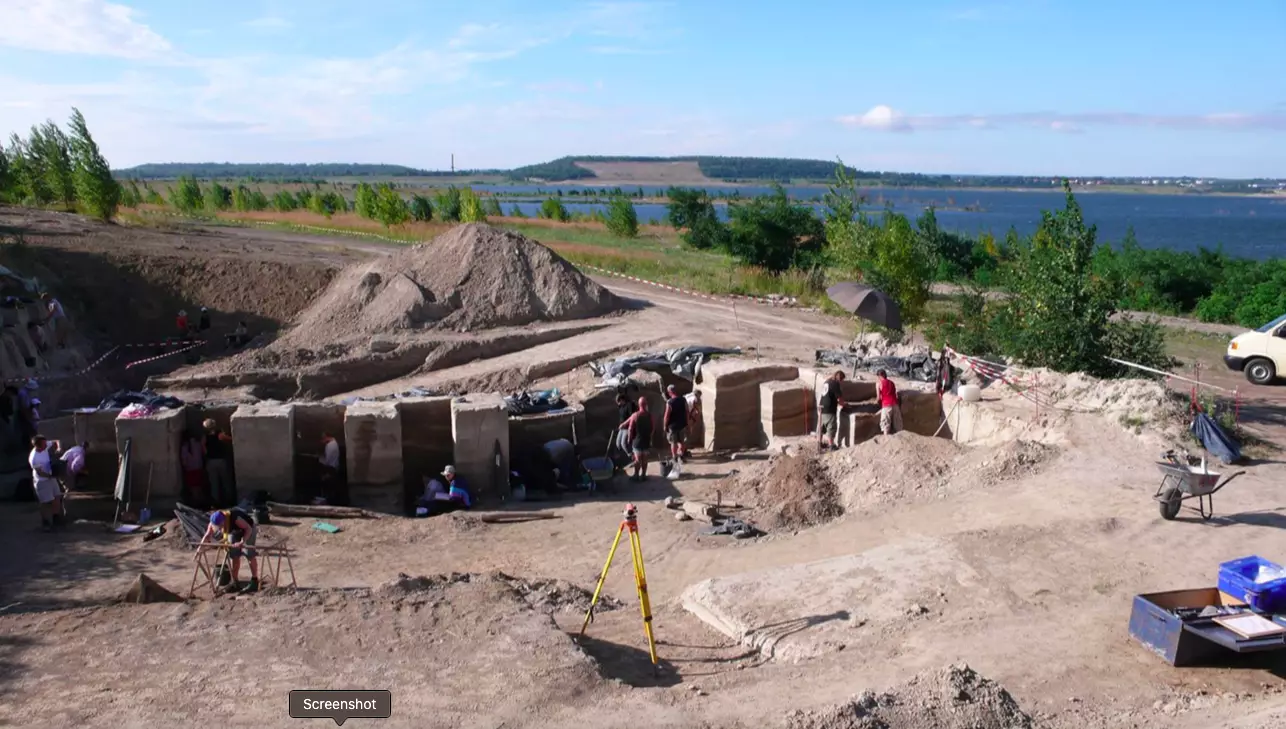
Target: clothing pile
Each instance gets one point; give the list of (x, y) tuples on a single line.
[(533, 403), (146, 398), (682, 362), (413, 392)]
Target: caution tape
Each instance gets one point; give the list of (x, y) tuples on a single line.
[(168, 343), (67, 375), (135, 363)]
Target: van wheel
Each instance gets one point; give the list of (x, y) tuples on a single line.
[(1261, 371)]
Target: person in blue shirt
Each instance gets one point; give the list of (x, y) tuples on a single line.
[(457, 490)]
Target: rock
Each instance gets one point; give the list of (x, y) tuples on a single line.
[(682, 516)]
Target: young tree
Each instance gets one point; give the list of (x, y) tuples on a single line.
[(217, 198), (471, 210), (152, 197), (774, 233), (30, 169), (241, 199), (7, 185), (692, 212), (448, 205), (491, 206), (54, 150), (421, 209), (516, 212), (365, 202), (553, 209), (132, 196), (327, 203), (97, 191), (622, 219), (391, 209), (284, 201), (186, 196)]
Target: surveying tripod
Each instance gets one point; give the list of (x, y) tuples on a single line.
[(629, 524)]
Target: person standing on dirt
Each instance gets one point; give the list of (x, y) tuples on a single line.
[(217, 455), (237, 529), (192, 458), (329, 462), (831, 405), (696, 428), (203, 321), (639, 427), (624, 409), (675, 421), (48, 493), (58, 318), (181, 322), (890, 404)]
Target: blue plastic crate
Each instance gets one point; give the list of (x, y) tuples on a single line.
[(1256, 581)]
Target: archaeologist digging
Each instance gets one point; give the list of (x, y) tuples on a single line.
[(217, 456), (675, 422), (831, 404), (237, 529), (48, 493), (639, 427), (890, 404), (329, 462), (74, 466)]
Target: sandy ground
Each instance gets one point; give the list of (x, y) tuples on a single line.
[(1027, 578)]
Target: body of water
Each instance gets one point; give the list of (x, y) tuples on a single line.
[(1248, 227)]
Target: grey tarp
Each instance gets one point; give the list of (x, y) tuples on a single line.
[(683, 362), (123, 475), (919, 367), (1215, 440)]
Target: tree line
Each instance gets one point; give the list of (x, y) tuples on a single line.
[(282, 172), (57, 168)]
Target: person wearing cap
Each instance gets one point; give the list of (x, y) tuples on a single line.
[(457, 490), (203, 320), (35, 413), (675, 421), (217, 453), (48, 492), (181, 322), (238, 530), (640, 429)]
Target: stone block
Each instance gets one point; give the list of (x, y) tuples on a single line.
[(787, 409), (156, 441), (921, 412), (480, 427), (730, 395), (263, 448), (862, 425), (373, 445)]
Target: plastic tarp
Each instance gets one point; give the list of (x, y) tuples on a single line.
[(533, 403), (918, 367), (1215, 440), (683, 362)]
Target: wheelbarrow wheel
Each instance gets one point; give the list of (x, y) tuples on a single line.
[(1169, 502)]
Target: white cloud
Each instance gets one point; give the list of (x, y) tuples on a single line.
[(90, 27), (885, 118)]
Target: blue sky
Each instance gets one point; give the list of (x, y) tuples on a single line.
[(1014, 86)]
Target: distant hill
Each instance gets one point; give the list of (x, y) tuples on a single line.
[(727, 169), (283, 171)]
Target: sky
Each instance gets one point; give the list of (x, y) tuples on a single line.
[(1037, 87)]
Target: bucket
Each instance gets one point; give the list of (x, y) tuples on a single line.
[(969, 393)]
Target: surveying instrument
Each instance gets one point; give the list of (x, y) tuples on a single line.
[(629, 524)]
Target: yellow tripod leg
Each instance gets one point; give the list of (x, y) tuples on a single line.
[(640, 581), (589, 614)]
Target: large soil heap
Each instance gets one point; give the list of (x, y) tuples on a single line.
[(471, 277)]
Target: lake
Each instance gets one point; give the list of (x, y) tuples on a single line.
[(1249, 227)]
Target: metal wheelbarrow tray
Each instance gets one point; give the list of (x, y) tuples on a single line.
[(1180, 482)]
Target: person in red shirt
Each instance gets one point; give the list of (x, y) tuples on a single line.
[(181, 322), (890, 410)]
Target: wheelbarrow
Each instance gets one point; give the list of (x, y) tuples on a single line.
[(1181, 480)]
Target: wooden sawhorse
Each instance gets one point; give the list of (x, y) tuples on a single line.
[(210, 556)]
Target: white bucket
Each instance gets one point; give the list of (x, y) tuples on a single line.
[(969, 393)]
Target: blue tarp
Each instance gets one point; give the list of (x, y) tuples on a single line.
[(1215, 439)]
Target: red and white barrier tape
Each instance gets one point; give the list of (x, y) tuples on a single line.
[(168, 343), (163, 356), (67, 375)]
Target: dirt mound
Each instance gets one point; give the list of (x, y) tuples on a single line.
[(893, 468), (147, 590), (472, 277), (539, 594), (952, 698), (1013, 460), (1131, 403), (788, 492)]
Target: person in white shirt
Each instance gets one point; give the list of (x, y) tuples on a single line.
[(48, 492), (329, 461)]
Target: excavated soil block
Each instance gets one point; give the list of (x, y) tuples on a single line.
[(373, 440), (479, 425), (155, 448), (787, 409), (921, 412), (427, 445), (730, 401), (98, 428), (263, 442)]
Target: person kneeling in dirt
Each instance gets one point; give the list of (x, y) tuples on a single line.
[(890, 404), (48, 493), (640, 429), (236, 528), (675, 421), (73, 466), (831, 405)]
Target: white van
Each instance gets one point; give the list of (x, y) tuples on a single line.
[(1261, 353)]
